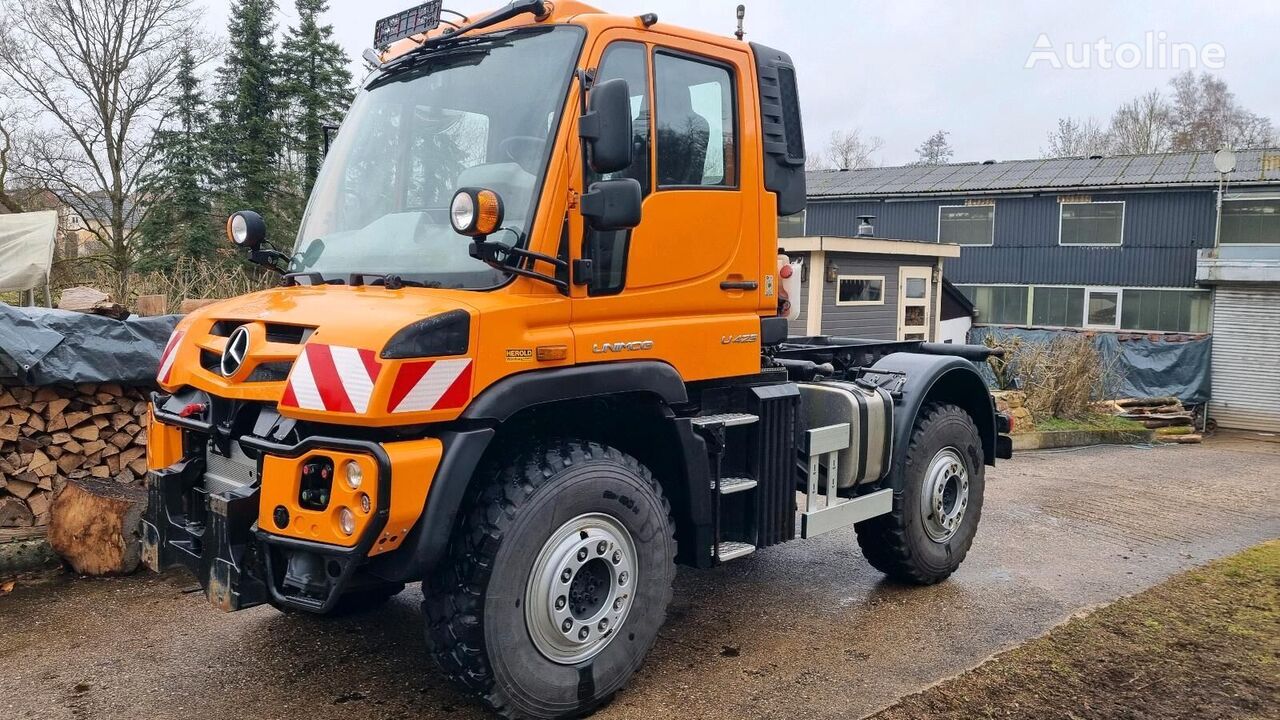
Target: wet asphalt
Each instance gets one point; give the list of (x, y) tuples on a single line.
[(804, 630)]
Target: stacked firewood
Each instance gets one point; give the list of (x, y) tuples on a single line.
[(49, 435), (1172, 422)]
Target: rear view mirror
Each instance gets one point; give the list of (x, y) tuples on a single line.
[(613, 204), (607, 127)]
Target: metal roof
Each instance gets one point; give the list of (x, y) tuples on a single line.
[(1183, 169)]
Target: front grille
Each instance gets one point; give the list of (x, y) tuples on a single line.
[(276, 332), (270, 372)]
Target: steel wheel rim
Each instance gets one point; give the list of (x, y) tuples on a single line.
[(945, 496), (580, 588)]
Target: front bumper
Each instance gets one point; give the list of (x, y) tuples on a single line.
[(216, 536)]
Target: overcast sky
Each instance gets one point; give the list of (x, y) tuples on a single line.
[(905, 69)]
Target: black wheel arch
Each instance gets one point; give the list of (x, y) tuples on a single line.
[(940, 379), (591, 402)]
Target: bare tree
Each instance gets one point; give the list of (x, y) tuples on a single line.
[(1142, 126), (849, 150), (13, 118), (936, 150), (1206, 116), (99, 71), (1076, 138)]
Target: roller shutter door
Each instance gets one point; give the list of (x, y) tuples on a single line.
[(1246, 358)]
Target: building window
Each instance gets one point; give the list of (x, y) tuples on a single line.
[(1166, 310), (967, 224), (860, 290), (1057, 307), (1250, 222), (1091, 223), (696, 139), (1103, 307), (998, 304)]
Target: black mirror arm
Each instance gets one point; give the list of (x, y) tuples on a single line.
[(497, 256)]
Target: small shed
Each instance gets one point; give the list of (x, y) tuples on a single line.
[(867, 287)]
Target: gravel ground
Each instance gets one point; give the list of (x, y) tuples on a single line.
[(805, 630)]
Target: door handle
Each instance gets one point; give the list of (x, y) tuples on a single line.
[(739, 285)]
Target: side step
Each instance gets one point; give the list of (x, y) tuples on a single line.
[(726, 419), (732, 485), (730, 550)]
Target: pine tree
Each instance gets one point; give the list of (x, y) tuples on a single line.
[(247, 132), (317, 85), (180, 223)]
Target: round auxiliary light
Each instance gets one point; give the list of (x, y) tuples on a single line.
[(346, 521), (365, 503), (462, 212), (239, 229), (355, 475)]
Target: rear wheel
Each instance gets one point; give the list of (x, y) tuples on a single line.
[(557, 583), (937, 500)]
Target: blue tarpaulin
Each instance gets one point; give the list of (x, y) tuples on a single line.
[(39, 346), (1143, 365)]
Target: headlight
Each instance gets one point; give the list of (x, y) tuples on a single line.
[(462, 212), (239, 229), (346, 521), (355, 476)]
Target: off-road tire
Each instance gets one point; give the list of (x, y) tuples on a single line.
[(897, 544), (473, 605)]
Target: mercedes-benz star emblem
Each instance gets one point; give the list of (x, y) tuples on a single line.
[(235, 352)]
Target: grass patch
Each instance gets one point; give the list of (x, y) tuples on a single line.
[(1205, 644), (1088, 422)]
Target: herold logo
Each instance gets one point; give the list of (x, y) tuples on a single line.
[(520, 355), (637, 346)]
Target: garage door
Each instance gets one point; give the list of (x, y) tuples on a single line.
[(1246, 358)]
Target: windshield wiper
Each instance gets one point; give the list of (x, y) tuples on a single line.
[(358, 279)]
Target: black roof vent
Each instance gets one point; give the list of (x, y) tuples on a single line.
[(1096, 157), (988, 162)]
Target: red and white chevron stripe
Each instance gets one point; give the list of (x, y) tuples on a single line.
[(169, 355), (431, 385), (332, 378)]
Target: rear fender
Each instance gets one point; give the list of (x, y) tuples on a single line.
[(935, 378)]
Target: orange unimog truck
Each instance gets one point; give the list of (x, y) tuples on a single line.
[(529, 349)]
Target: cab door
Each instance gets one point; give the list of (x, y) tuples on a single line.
[(684, 286)]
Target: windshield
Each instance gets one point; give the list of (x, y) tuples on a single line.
[(482, 112)]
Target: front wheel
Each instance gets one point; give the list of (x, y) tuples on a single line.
[(557, 583), (937, 500)]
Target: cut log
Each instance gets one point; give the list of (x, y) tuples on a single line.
[(88, 433), (15, 513), (22, 487), (151, 305), (56, 407), (91, 300), (94, 526)]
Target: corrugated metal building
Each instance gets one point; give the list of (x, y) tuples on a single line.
[(1107, 243)]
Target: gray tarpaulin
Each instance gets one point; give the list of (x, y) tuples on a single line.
[(26, 249), (49, 347), (1145, 365)]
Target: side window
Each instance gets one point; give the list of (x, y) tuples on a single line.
[(697, 144), (629, 61)]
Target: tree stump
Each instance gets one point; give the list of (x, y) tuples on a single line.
[(95, 526)]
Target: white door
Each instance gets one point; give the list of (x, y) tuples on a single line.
[(1246, 358), (915, 302)]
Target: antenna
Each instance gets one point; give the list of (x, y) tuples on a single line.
[(742, 13)]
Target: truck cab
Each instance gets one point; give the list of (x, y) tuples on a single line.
[(529, 348)]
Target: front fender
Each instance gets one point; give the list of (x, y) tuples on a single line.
[(935, 378)]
